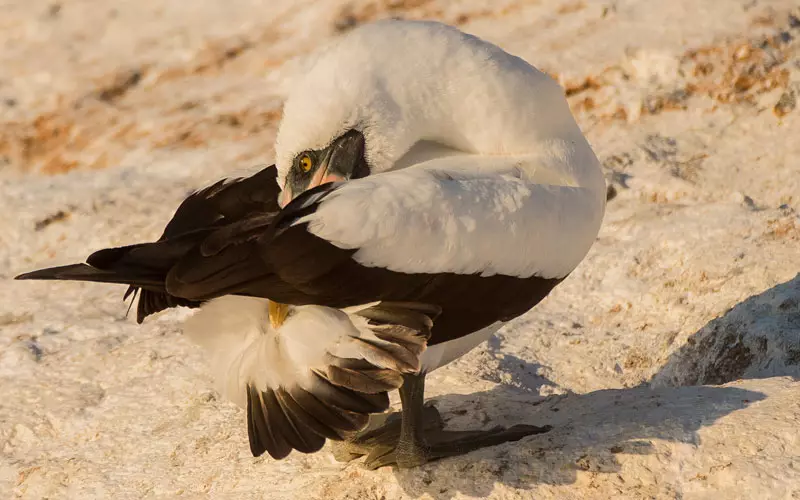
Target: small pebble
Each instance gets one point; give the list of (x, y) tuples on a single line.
[(35, 349)]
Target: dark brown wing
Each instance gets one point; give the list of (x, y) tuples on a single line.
[(226, 200), (283, 261), (214, 206)]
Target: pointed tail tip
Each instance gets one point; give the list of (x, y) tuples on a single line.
[(33, 275), (73, 271)]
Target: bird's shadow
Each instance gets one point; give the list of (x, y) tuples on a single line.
[(518, 372), (591, 430)]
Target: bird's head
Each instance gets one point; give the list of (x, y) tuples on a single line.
[(359, 105), (342, 160), (354, 109)]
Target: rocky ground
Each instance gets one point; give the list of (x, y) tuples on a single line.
[(667, 363)]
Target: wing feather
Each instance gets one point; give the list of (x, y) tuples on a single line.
[(299, 437), (263, 437), (342, 421), (304, 419)]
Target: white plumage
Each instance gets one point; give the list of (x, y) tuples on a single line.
[(402, 82), (513, 187), (421, 221)]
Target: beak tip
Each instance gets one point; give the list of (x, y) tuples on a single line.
[(284, 198)]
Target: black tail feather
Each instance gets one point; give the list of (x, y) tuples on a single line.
[(243, 206), (85, 272), (152, 297)]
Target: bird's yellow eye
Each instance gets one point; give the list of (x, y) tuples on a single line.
[(305, 163)]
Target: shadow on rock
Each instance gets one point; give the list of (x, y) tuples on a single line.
[(513, 370), (757, 338), (589, 431)]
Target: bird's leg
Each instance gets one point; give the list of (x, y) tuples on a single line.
[(412, 448), (419, 443)]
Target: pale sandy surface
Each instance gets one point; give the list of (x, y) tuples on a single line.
[(666, 363)]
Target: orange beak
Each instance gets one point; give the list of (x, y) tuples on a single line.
[(320, 177)]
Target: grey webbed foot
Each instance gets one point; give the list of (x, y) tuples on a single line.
[(416, 435)]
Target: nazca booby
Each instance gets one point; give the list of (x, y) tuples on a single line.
[(432, 188)]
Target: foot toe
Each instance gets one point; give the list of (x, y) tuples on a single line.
[(380, 456), (340, 454)]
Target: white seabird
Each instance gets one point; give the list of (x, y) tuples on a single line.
[(427, 178)]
